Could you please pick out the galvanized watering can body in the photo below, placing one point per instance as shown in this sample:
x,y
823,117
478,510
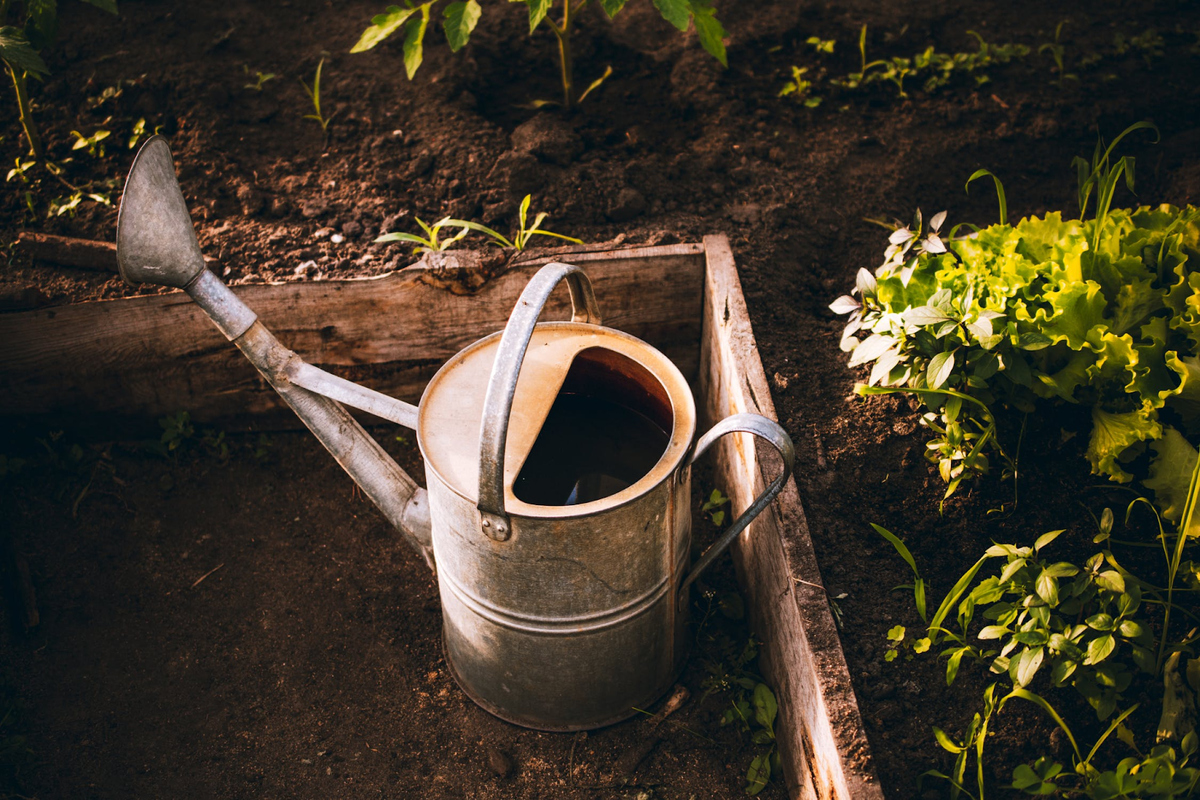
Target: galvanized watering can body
x,y
560,615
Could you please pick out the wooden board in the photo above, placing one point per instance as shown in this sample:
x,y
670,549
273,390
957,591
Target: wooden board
x,y
823,744
156,355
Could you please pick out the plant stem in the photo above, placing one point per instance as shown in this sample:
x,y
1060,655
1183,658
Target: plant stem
x,y
564,53
19,83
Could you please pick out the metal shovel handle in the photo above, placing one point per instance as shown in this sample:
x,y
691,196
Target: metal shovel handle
x,y
765,429
502,385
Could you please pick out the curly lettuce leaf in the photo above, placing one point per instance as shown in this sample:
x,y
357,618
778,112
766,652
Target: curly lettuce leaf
x,y
1171,476
1186,397
1113,434
1076,310
1064,382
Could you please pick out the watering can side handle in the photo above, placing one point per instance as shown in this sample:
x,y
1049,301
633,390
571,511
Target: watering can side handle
x,y
502,385
763,428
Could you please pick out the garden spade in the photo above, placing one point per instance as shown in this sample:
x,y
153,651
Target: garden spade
x,y
558,460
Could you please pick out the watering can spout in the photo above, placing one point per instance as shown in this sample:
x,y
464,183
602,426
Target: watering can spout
x,y
156,243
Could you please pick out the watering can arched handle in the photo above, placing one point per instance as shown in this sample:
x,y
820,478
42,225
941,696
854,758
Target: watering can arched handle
x,y
502,386
766,429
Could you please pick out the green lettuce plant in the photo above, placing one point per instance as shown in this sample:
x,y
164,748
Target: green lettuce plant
x,y
26,28
459,19
1101,312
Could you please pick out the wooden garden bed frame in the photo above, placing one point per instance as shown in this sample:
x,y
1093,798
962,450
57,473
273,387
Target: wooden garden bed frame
x,y
144,357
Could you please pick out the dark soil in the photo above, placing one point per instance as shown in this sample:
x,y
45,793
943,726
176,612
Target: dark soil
x,y
245,625
671,148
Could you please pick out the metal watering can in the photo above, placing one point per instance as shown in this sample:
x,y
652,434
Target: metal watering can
x,y
558,460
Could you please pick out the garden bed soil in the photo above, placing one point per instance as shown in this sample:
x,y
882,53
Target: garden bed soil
x,y
671,148
249,626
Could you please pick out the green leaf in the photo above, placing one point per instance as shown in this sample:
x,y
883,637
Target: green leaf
x,y
925,315
1047,588
765,707
1028,666
712,35
1111,580
676,12
17,52
983,173
896,633
1045,539
460,20
1100,648
940,368
538,9
946,743
382,26
1171,476
612,7
758,775
108,5
42,25
1112,434
414,40
1100,622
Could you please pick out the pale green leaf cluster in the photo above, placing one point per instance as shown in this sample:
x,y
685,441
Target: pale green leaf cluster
x,y
1103,313
459,19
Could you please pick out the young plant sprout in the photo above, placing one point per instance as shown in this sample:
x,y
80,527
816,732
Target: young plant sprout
x,y
431,242
314,94
460,19
524,232
260,78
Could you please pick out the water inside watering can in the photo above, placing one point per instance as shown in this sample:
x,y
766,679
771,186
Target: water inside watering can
x,y
589,448
608,427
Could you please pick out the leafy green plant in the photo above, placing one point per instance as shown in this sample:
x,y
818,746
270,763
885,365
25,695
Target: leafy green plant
x,y
1057,52
26,28
1148,44
973,741
936,69
821,45
94,144
801,88
431,242
1100,313
714,507
728,660
314,96
1160,775
524,232
461,17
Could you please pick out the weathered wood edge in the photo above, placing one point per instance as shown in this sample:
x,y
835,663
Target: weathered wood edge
x,y
158,354
824,746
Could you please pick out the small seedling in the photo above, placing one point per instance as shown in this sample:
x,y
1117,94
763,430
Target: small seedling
x,y
314,95
821,45
714,507
1057,52
801,88
94,144
431,242
260,79
524,232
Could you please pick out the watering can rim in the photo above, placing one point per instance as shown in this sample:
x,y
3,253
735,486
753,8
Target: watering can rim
x,y
683,408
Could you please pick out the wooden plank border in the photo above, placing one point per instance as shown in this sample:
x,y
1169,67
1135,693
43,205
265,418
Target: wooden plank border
x,y
824,747
159,354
